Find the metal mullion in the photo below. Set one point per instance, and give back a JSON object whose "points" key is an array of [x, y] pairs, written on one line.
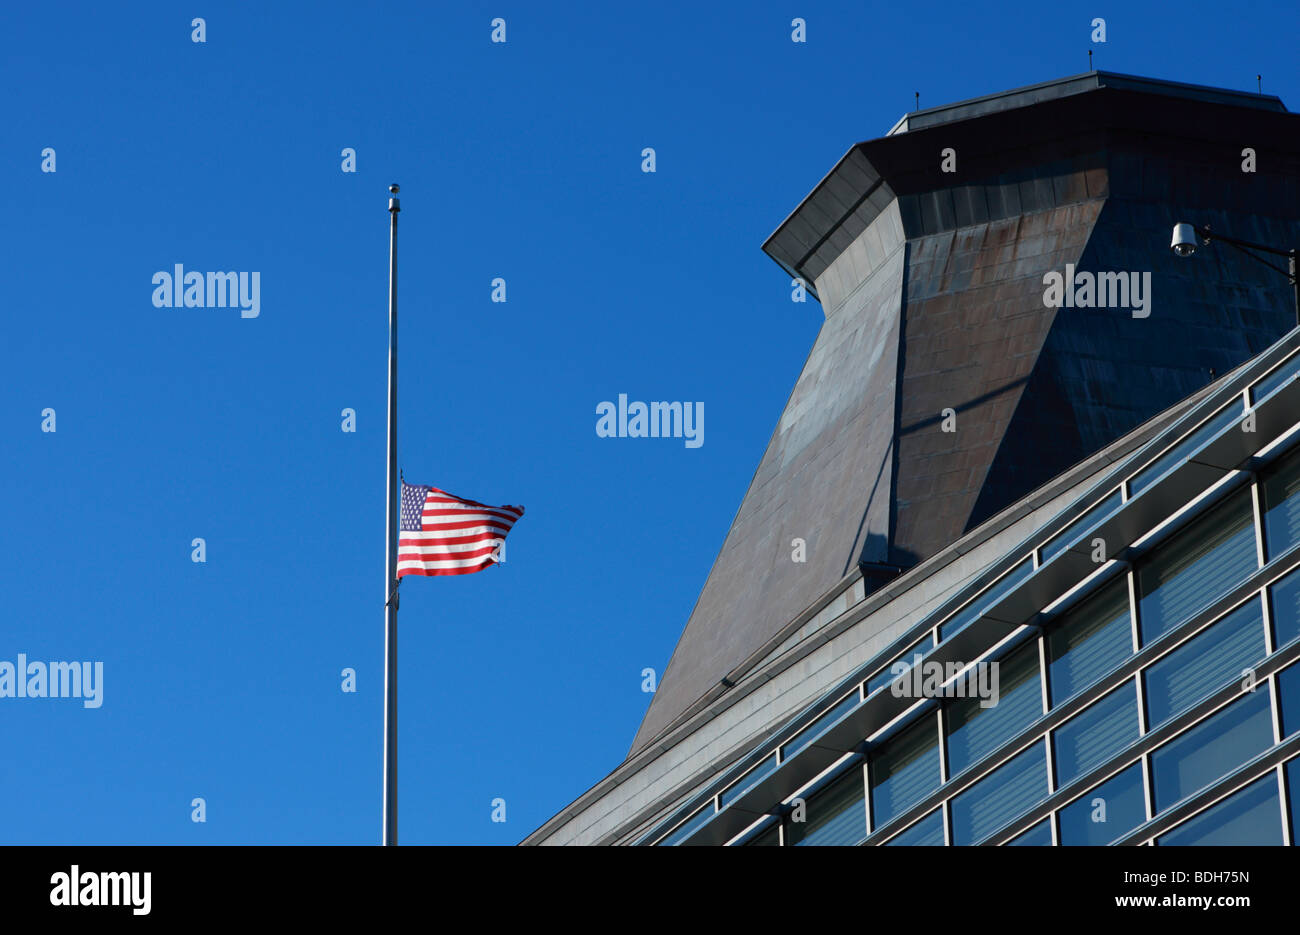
{"points": [[1258, 514], [1286, 805], [1131, 575], [943, 747], [1148, 793], [1275, 708], [1047, 735], [1144, 725], [1043, 671], [1051, 765], [1270, 645], [943, 776], [866, 787]]}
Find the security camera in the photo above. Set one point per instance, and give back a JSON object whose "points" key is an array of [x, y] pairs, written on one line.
{"points": [[1184, 242]]}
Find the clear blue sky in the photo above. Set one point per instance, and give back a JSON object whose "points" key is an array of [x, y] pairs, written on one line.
{"points": [[523, 161]]}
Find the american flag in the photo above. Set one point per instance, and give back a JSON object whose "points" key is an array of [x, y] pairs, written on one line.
{"points": [[442, 534]]}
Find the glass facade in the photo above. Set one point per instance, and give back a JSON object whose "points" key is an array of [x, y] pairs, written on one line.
{"points": [[928, 832], [886, 675], [1089, 642], [1243, 818], [818, 727], [1106, 812], [905, 771], [972, 611], [999, 797], [1220, 654], [1072, 533], [975, 729], [1285, 604], [1199, 564], [1040, 835], [1280, 501], [1194, 441], [1217, 745], [1148, 710], [1091, 738], [835, 815]]}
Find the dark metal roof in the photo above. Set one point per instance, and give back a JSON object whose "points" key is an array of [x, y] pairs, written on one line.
{"points": [[855, 190]]}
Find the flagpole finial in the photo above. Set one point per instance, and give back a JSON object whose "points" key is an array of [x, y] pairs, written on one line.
{"points": [[394, 204]]}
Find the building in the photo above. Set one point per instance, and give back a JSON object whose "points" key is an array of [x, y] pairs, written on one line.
{"points": [[1051, 580]]}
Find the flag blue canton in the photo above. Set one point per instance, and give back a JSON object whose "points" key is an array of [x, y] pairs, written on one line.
{"points": [[413, 498]]}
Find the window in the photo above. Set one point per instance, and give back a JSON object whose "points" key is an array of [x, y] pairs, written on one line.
{"points": [[1106, 813], [904, 771], [1251, 816], [974, 731], [1040, 835], [1285, 597], [1288, 690], [747, 781], [1275, 379], [886, 675], [1194, 442], [836, 815], [1097, 734], [1212, 749], [1280, 505], [976, 608], [768, 837], [813, 730], [1194, 567], [1089, 642], [1207, 662], [688, 827], [999, 797], [1066, 537], [928, 832]]}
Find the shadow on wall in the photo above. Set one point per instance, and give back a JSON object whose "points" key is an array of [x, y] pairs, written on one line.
{"points": [[877, 573]]}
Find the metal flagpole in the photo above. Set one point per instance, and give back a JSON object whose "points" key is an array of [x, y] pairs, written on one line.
{"points": [[391, 580]]}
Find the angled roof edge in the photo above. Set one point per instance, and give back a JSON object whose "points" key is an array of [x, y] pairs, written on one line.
{"points": [[1079, 84]]}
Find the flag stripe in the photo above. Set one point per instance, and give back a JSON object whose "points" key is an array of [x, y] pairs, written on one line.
{"points": [[478, 523], [432, 538], [420, 549], [439, 503], [473, 556]]}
